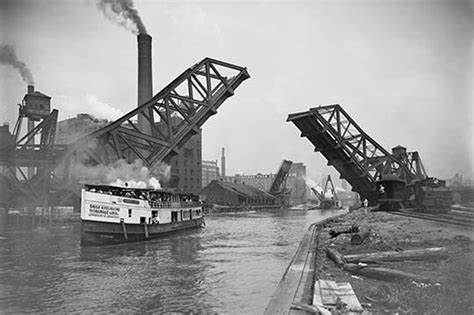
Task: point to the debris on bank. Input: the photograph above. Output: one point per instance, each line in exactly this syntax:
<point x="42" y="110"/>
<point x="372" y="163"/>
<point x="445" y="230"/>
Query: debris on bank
<point x="396" y="264"/>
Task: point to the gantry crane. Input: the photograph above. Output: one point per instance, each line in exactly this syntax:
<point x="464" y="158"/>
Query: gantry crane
<point x="326" y="202"/>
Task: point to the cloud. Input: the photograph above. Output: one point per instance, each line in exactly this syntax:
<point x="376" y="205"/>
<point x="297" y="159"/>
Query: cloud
<point x="101" y="109"/>
<point x="89" y="103"/>
<point x="194" y="26"/>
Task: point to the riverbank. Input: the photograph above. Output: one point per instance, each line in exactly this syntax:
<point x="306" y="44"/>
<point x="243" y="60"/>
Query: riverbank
<point x="439" y="284"/>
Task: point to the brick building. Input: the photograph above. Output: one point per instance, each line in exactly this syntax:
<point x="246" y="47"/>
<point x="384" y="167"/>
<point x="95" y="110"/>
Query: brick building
<point x="210" y="172"/>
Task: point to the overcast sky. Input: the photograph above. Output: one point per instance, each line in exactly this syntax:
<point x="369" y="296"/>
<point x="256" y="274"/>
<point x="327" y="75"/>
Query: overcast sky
<point x="401" y="69"/>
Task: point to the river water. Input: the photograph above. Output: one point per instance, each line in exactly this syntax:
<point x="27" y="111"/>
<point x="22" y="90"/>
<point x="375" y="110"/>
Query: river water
<point x="233" y="265"/>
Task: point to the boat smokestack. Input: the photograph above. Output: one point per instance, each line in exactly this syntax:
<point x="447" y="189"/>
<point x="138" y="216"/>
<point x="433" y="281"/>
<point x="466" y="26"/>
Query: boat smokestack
<point x="30" y="89"/>
<point x="145" y="80"/>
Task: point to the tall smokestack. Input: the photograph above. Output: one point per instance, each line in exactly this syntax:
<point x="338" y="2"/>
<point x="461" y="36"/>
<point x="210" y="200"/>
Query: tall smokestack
<point x="30" y="125"/>
<point x="145" y="80"/>
<point x="223" y="163"/>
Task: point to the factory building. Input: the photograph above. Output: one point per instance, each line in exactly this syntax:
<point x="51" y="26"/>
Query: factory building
<point x="260" y="181"/>
<point x="295" y="183"/>
<point x="6" y="139"/>
<point x="210" y="172"/>
<point x="234" y="194"/>
<point x="186" y="173"/>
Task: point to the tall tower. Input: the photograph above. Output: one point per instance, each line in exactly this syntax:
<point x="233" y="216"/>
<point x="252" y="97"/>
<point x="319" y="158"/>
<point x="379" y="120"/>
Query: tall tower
<point x="223" y="163"/>
<point x="145" y="80"/>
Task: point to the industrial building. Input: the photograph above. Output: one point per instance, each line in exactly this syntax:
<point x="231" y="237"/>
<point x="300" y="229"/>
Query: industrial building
<point x="209" y="171"/>
<point x="234" y="194"/>
<point x="295" y="183"/>
<point x="186" y="173"/>
<point x="260" y="181"/>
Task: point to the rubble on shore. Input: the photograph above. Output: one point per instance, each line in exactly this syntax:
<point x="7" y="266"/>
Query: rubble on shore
<point x="440" y="283"/>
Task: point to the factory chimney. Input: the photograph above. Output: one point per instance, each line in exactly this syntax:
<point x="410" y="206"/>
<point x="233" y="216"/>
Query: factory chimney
<point x="30" y="125"/>
<point x="223" y="164"/>
<point x="145" y="80"/>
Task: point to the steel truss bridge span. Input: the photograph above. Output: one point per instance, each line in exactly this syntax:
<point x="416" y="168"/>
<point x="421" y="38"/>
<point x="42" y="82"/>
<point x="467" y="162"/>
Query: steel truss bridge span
<point x="174" y="115"/>
<point x="357" y="157"/>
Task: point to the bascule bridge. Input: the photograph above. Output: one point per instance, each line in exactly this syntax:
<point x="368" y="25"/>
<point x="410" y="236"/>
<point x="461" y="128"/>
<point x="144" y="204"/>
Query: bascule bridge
<point x="172" y="117"/>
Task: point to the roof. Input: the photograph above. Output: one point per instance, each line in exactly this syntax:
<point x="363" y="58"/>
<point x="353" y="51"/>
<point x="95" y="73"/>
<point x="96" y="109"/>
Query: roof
<point x="242" y="190"/>
<point x="37" y="93"/>
<point x="399" y="147"/>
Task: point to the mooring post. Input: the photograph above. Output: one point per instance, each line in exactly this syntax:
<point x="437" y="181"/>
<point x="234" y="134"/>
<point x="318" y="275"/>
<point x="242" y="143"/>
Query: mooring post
<point x="124" y="229"/>
<point x="146" y="230"/>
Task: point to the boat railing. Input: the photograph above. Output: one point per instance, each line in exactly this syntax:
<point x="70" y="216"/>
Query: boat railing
<point x="173" y="204"/>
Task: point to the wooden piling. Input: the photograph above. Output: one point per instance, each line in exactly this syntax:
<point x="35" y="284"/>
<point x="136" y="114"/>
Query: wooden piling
<point x="124" y="230"/>
<point x="146" y="229"/>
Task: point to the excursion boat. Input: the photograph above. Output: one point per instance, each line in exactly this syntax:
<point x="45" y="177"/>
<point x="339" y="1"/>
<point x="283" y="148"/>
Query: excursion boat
<point x="112" y="215"/>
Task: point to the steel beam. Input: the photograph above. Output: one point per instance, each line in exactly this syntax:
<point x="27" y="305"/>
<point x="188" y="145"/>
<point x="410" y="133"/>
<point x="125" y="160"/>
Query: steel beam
<point x="180" y="109"/>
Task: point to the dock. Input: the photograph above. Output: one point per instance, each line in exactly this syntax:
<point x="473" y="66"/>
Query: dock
<point x="295" y="289"/>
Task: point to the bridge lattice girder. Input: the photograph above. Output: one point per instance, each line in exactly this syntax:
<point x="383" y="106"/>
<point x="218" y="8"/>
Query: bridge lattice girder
<point x="24" y="153"/>
<point x="356" y="156"/>
<point x="179" y="110"/>
<point x="278" y="183"/>
<point x="175" y="114"/>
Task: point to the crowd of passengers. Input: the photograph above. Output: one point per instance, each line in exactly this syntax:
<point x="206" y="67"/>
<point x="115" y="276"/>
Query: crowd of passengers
<point x="155" y="198"/>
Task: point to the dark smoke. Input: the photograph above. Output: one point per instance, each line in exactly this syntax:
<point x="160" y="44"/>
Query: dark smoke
<point x="8" y="57"/>
<point x="123" y="13"/>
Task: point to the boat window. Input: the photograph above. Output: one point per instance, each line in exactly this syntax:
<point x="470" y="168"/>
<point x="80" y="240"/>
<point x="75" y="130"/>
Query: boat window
<point x="142" y="220"/>
<point x="135" y="202"/>
<point x="129" y="213"/>
<point x="174" y="216"/>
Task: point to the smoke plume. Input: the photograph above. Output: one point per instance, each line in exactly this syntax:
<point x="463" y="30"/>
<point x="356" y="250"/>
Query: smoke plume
<point x="123" y="13"/>
<point x="8" y="57"/>
<point x="135" y="175"/>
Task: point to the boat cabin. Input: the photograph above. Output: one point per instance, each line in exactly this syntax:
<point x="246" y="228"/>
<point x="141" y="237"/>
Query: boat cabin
<point x="137" y="206"/>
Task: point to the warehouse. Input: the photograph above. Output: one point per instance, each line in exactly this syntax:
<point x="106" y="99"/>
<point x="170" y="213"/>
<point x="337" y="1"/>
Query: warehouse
<point x="233" y="194"/>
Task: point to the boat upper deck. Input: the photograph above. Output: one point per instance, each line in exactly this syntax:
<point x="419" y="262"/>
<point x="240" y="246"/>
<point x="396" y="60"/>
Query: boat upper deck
<point x="157" y="198"/>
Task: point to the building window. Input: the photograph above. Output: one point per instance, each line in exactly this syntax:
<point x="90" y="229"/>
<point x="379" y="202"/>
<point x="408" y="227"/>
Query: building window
<point x="188" y="152"/>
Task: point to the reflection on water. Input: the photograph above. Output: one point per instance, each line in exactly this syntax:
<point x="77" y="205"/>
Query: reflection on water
<point x="231" y="266"/>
